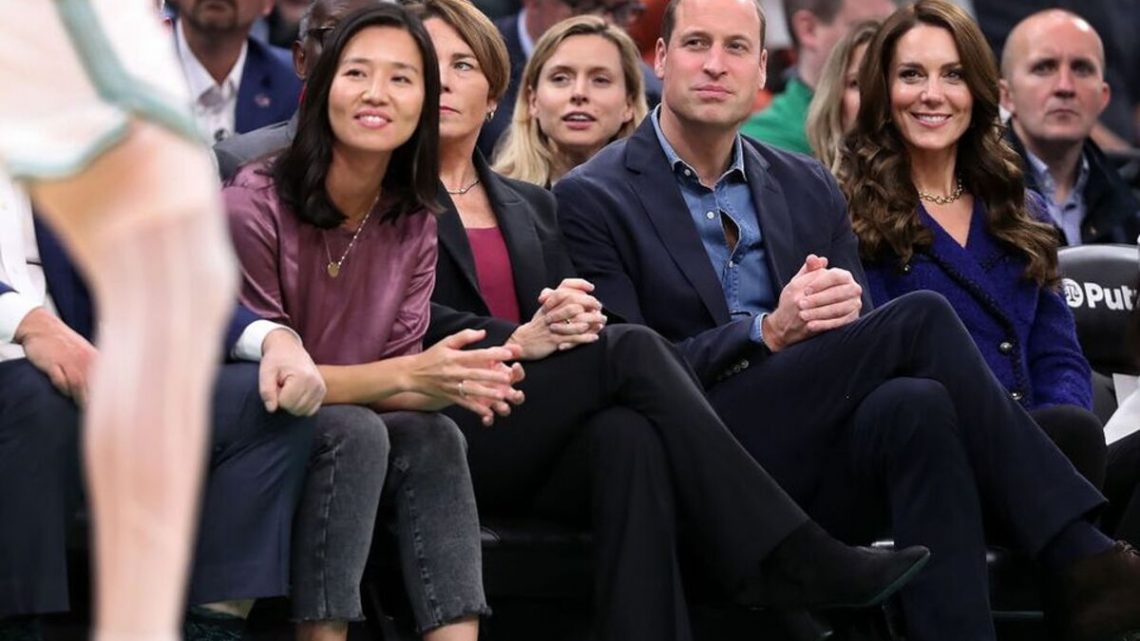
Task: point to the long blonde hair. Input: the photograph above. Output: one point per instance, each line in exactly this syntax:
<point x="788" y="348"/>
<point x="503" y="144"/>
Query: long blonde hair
<point x="525" y="152"/>
<point x="824" y="124"/>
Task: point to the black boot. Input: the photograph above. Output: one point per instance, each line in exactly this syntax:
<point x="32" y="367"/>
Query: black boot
<point x="811" y="569"/>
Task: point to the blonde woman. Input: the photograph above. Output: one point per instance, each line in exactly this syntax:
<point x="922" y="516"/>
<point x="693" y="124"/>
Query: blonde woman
<point x="836" y="101"/>
<point x="581" y="90"/>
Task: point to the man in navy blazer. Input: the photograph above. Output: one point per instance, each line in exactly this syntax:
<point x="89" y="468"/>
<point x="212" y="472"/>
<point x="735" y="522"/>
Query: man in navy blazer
<point x="521" y="30"/>
<point x="877" y="423"/>
<point x="238" y="83"/>
<point x="260" y="433"/>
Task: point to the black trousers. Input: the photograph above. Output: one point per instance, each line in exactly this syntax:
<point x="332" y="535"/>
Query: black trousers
<point x="1122" y="487"/>
<point x="895" y="424"/>
<point x="257" y="463"/>
<point x="622" y="425"/>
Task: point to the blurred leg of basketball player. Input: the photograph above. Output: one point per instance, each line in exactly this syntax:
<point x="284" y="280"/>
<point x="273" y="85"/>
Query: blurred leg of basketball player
<point x="114" y="167"/>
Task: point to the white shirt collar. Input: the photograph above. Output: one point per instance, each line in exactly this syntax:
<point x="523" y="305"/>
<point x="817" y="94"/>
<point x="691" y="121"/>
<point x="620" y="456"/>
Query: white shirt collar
<point x="215" y="105"/>
<point x="524" y="38"/>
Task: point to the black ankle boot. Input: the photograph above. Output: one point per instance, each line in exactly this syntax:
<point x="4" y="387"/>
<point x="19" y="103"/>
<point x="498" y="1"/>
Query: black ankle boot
<point x="811" y="569"/>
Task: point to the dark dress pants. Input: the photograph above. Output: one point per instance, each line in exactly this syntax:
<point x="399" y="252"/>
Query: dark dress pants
<point x="655" y="451"/>
<point x="1079" y="434"/>
<point x="256" y="467"/>
<point x="1122" y="487"/>
<point x="839" y="421"/>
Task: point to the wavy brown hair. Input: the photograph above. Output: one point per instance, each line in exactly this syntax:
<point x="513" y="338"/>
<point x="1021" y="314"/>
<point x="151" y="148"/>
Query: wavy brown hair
<point x="875" y="171"/>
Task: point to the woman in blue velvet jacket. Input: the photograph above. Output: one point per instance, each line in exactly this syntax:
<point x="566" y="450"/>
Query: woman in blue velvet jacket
<point x="938" y="202"/>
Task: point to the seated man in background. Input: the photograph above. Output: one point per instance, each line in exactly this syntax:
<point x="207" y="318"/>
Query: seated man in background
<point x="1053" y="86"/>
<point x="259" y="442"/>
<point x="238" y="83"/>
<point x="318" y="20"/>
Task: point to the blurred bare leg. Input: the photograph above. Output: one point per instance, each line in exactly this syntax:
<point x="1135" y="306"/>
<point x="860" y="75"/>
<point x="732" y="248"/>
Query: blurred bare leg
<point x="145" y="221"/>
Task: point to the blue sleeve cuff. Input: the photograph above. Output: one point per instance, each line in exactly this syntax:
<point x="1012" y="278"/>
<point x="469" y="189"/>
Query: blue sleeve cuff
<point x="756" y="333"/>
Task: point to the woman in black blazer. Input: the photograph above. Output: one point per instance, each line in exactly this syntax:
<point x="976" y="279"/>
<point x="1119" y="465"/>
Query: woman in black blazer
<point x="615" y="432"/>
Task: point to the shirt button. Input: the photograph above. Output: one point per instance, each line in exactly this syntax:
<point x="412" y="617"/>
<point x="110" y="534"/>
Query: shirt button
<point x="732" y="263"/>
<point x="710" y="215"/>
<point x="1005" y="347"/>
<point x="688" y="173"/>
<point x="1016" y="395"/>
<point x="906" y="268"/>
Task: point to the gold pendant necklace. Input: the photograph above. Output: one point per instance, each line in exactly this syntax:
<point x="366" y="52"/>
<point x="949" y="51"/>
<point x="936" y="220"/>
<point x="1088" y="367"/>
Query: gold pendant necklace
<point x="333" y="267"/>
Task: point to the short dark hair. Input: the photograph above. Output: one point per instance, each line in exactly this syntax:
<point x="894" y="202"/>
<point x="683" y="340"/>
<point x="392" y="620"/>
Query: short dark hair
<point x="669" y="20"/>
<point x="411" y="181"/>
<point x="825" y="10"/>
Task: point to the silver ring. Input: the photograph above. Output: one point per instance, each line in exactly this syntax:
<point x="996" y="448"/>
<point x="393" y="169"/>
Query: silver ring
<point x="461" y="392"/>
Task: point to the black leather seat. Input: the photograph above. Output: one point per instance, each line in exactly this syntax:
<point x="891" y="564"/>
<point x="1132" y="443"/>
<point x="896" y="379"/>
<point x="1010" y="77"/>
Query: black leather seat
<point x="1100" y="283"/>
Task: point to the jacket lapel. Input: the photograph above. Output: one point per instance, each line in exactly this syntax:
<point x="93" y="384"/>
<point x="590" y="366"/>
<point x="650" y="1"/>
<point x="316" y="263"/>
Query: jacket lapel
<point x="664" y="206"/>
<point x="453" y="240"/>
<point x="774" y="218"/>
<point x="517" y="226"/>
<point x="970" y="266"/>
<point x="519" y="235"/>
<point x="66" y="287"/>
<point x="255" y="94"/>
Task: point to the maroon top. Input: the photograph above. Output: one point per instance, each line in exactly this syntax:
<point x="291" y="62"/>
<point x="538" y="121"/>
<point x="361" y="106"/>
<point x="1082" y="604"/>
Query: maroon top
<point x="493" y="269"/>
<point x="377" y="307"/>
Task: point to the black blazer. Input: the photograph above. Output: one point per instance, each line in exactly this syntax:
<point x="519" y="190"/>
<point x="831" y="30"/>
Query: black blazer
<point x="629" y="232"/>
<point x="527" y="219"/>
<point x="1112" y="214"/>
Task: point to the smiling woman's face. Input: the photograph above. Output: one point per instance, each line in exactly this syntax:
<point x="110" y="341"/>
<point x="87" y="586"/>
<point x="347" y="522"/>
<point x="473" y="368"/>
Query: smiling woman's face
<point x="581" y="100"/>
<point x="931" y="104"/>
<point x="377" y="94"/>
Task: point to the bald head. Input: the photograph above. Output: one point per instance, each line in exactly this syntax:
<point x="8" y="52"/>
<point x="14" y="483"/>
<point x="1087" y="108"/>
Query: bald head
<point x="1045" y="25"/>
<point x="1053" y="81"/>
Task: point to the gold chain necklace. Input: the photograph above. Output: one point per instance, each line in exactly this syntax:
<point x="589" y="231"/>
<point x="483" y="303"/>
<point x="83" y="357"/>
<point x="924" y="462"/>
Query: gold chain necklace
<point x="943" y="200"/>
<point x="333" y="267"/>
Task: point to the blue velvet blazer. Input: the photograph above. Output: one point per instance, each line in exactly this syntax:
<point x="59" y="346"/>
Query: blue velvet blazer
<point x="1026" y="333"/>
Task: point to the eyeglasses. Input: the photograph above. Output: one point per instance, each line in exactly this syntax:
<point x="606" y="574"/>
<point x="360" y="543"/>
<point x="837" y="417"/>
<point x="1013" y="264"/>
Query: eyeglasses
<point x="319" y="34"/>
<point x="622" y="13"/>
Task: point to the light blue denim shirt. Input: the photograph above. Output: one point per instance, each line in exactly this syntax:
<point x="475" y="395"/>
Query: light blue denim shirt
<point x="1068" y="215"/>
<point x="743" y="271"/>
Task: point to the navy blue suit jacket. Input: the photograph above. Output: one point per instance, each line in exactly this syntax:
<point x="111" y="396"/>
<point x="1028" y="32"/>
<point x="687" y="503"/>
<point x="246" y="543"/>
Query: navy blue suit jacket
<point x="630" y="233"/>
<point x="270" y="89"/>
<point x="493" y="130"/>
<point x="72" y="299"/>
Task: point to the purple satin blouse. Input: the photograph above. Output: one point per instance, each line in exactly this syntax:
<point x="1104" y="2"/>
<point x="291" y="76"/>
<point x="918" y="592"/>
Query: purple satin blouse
<point x="379" y="304"/>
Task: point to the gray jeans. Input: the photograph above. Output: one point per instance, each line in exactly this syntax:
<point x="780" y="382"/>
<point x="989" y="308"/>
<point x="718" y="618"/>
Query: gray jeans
<point x="416" y="463"/>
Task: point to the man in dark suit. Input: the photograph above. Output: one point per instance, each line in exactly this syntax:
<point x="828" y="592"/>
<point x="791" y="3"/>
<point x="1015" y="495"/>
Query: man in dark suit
<point x="743" y="255"/>
<point x="259" y="447"/>
<point x="523" y="29"/>
<point x="238" y="83"/>
<point x="1054" y="89"/>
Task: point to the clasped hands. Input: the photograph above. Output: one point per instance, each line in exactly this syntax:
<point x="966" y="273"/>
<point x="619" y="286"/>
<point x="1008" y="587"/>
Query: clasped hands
<point x="816" y="300"/>
<point x="483" y="380"/>
<point x="569" y="316"/>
